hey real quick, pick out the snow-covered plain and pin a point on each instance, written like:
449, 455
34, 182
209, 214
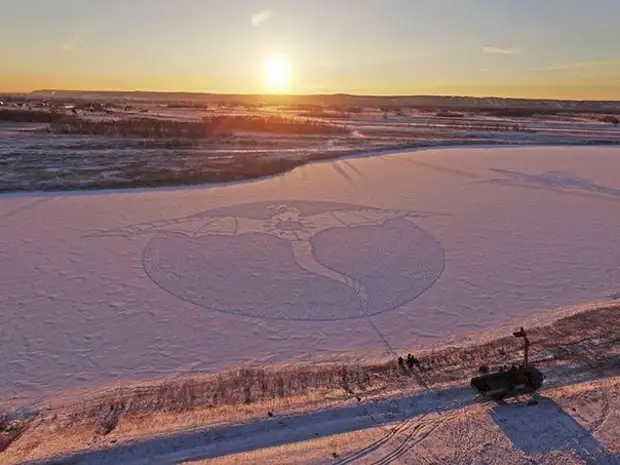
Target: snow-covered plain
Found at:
31, 159
343, 260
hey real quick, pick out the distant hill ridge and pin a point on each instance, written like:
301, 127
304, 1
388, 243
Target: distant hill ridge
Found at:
453, 102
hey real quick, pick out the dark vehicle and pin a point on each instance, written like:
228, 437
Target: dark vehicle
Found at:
516, 380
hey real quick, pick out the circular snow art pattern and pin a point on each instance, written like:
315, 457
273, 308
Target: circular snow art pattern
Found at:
297, 260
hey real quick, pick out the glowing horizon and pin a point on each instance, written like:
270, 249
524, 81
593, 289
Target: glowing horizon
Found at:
520, 49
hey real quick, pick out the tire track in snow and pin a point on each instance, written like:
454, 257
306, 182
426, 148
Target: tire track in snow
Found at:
410, 441
35, 203
413, 425
375, 445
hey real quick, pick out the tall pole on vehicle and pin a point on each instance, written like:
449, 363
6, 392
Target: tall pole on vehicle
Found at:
526, 346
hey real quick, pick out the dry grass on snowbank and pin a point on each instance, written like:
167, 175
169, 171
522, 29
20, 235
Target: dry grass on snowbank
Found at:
590, 339
239, 388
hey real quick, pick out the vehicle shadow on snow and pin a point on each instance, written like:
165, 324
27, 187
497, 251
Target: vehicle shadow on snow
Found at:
545, 428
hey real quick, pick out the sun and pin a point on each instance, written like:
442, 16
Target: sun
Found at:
277, 74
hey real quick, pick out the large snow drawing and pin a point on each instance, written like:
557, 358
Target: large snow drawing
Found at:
298, 260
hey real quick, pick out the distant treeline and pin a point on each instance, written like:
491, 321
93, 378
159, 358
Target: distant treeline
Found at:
208, 127
517, 112
62, 123
454, 102
31, 116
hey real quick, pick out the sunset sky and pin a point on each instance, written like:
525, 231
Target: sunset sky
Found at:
519, 48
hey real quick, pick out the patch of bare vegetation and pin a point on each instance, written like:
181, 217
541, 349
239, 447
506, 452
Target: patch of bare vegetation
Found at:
235, 388
171, 165
10, 430
591, 338
207, 128
611, 120
587, 341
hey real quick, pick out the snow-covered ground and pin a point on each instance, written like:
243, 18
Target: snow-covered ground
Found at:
350, 260
31, 159
576, 425
572, 426
427, 416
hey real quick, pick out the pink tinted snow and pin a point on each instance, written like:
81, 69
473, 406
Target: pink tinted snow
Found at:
519, 230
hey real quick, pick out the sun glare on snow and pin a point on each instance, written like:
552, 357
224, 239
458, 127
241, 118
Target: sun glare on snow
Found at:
277, 74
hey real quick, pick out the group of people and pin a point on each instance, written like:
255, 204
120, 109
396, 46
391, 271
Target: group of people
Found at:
411, 362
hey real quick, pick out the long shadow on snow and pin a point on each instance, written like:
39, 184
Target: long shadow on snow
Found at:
225, 440
546, 428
